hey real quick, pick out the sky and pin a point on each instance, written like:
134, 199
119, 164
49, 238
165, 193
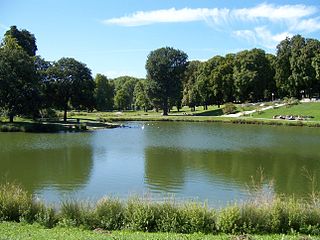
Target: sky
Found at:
114, 37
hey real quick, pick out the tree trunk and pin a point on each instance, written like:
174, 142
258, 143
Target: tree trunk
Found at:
11, 118
165, 108
65, 115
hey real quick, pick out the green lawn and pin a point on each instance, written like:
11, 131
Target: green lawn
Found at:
305, 109
20, 231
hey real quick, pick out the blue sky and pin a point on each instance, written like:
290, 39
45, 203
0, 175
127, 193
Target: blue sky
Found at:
114, 37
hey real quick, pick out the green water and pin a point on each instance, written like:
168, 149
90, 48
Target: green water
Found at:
207, 161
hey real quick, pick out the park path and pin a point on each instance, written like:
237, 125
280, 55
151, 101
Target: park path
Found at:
244, 113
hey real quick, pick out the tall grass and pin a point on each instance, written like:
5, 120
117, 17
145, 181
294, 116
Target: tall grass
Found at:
276, 215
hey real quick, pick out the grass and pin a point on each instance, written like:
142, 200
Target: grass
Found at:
21, 231
263, 216
96, 120
305, 109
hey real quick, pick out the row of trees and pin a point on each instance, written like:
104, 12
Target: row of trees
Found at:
29, 84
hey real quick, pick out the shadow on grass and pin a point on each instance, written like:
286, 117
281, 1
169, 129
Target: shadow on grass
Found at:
216, 112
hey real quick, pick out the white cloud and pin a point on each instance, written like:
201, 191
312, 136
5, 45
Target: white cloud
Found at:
215, 15
262, 36
308, 25
171, 15
248, 35
275, 13
257, 21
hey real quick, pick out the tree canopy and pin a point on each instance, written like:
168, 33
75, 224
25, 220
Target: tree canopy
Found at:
165, 69
18, 82
71, 85
23, 38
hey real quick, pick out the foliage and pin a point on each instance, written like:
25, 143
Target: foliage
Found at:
296, 67
24, 39
229, 108
191, 93
70, 84
18, 83
276, 215
165, 68
124, 92
110, 214
141, 100
104, 93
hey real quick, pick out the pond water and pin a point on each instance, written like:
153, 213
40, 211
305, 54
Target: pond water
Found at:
203, 161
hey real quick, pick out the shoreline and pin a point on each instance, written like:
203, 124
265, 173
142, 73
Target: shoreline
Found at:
231, 120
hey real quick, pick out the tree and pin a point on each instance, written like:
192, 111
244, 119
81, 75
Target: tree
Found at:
18, 81
121, 99
165, 68
252, 75
191, 95
141, 99
127, 84
283, 69
295, 73
104, 93
24, 39
71, 85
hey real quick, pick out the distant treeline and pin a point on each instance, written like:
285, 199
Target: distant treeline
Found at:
31, 86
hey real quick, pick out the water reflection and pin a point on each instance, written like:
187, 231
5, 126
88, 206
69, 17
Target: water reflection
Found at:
50, 160
168, 169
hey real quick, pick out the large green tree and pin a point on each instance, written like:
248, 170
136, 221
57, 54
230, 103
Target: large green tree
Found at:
141, 100
165, 69
191, 94
104, 93
295, 74
24, 39
71, 85
125, 97
18, 82
252, 75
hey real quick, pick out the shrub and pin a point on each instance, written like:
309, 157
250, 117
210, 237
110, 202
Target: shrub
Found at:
140, 215
229, 219
46, 216
169, 218
15, 203
110, 214
197, 218
74, 213
229, 108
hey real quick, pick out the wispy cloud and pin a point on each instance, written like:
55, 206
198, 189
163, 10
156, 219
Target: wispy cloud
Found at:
261, 18
262, 36
217, 15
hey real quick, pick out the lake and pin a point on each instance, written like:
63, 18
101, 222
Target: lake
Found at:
203, 161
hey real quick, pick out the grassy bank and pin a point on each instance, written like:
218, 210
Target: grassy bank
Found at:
269, 216
98, 120
14, 231
214, 114
304, 109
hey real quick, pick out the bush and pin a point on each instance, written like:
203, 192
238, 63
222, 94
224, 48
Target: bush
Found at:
229, 108
229, 219
140, 215
110, 214
169, 218
197, 218
46, 216
15, 203
74, 214
278, 215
